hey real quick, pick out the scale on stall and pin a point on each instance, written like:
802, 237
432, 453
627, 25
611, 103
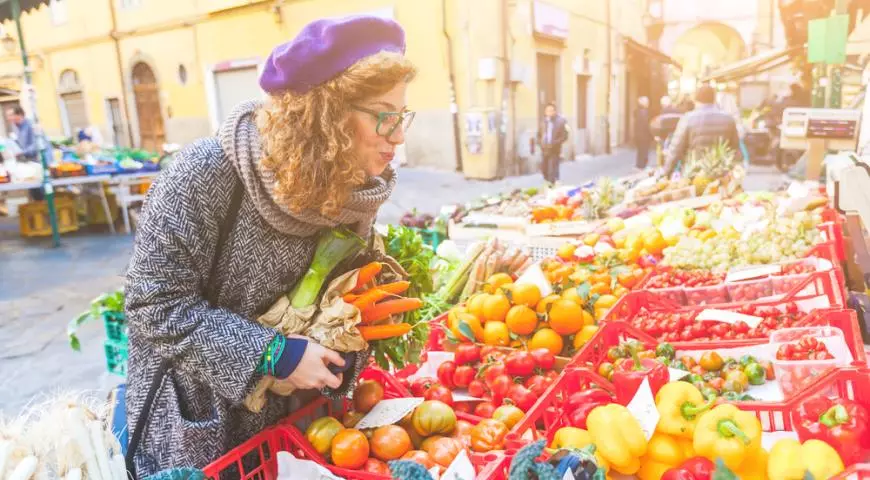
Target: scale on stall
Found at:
819, 130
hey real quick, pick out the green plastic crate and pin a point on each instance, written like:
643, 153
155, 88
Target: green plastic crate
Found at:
116, 357
431, 237
116, 326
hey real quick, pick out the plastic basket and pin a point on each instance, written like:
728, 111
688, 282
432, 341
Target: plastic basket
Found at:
116, 326
101, 169
795, 375
116, 357
256, 459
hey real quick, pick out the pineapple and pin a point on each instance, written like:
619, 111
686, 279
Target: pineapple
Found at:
713, 163
601, 199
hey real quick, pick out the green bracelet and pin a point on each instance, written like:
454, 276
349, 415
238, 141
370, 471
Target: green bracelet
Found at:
271, 355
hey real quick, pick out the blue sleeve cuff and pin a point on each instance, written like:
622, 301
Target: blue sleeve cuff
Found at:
290, 357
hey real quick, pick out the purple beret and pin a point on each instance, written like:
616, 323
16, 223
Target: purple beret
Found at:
325, 48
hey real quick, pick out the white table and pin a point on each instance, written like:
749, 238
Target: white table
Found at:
122, 183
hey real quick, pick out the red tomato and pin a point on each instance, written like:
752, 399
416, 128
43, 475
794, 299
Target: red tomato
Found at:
522, 397
477, 388
537, 384
552, 375
445, 374
464, 407
544, 359
376, 466
463, 376
492, 372
440, 393
466, 353
499, 388
420, 385
484, 409
520, 364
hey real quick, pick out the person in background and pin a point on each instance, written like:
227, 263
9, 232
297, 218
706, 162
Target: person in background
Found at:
701, 128
552, 133
25, 137
668, 107
642, 134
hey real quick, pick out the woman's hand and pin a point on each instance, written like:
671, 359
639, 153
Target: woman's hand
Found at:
312, 371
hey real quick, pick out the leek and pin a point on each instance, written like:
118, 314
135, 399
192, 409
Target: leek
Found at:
333, 247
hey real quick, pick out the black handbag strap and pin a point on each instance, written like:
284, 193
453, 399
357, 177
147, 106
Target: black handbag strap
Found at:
166, 364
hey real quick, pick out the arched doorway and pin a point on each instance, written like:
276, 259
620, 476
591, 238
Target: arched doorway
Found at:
74, 114
147, 94
708, 46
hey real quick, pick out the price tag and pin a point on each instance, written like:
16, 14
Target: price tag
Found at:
388, 412
460, 468
643, 408
675, 374
569, 475
727, 316
535, 276
756, 271
464, 397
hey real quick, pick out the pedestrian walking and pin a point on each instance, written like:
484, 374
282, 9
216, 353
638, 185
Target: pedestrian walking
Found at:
552, 133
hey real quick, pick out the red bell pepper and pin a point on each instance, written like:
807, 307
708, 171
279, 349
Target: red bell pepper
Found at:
628, 376
580, 404
842, 423
698, 468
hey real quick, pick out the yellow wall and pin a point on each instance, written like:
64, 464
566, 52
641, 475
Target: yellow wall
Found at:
168, 33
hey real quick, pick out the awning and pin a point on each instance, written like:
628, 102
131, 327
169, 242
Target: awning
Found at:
26, 6
754, 65
641, 49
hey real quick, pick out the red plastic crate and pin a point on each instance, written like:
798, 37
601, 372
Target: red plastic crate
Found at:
259, 454
613, 333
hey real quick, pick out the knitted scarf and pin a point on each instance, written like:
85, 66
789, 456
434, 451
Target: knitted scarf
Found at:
240, 141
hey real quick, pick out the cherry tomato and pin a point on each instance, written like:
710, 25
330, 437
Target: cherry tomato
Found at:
445, 374
463, 376
464, 407
477, 388
522, 397
467, 353
537, 384
544, 359
373, 465
420, 385
520, 364
484, 409
500, 387
440, 393
492, 372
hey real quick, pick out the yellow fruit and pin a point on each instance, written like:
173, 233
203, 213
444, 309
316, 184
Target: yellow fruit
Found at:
572, 295
584, 335
545, 303
525, 294
566, 251
653, 242
615, 224
547, 338
566, 317
475, 304
605, 301
600, 313
634, 243
521, 320
496, 333
591, 239
579, 276
495, 308
473, 322
497, 280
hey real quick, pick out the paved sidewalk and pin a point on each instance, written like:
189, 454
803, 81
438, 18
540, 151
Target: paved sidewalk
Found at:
42, 288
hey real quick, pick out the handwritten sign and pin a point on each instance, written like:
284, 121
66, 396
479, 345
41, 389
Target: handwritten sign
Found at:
388, 412
756, 271
643, 408
727, 316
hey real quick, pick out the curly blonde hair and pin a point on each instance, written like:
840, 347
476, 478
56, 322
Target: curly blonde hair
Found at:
308, 138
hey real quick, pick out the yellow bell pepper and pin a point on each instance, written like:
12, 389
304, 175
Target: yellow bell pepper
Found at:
755, 466
577, 438
618, 436
729, 433
791, 460
687, 446
663, 452
680, 405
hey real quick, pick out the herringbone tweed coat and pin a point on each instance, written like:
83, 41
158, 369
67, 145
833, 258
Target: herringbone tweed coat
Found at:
206, 325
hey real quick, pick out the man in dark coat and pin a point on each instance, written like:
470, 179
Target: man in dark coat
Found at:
552, 133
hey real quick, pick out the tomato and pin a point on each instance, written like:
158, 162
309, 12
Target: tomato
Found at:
488, 435
420, 385
499, 387
522, 397
444, 450
477, 388
464, 407
484, 409
544, 359
552, 375
711, 361
508, 414
433, 417
390, 442
466, 353
492, 372
350, 419
420, 457
373, 465
350, 449
520, 364
429, 441
440, 393
463, 376
321, 432
366, 395
537, 384
445, 374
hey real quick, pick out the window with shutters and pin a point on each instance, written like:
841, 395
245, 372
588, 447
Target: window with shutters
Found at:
72, 103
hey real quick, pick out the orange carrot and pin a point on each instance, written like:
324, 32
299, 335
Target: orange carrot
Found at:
384, 310
396, 288
367, 273
370, 297
381, 332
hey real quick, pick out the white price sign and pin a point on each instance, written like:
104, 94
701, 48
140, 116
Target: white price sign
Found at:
727, 316
643, 408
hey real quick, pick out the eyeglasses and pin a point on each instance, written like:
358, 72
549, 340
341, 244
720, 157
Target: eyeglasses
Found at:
388, 122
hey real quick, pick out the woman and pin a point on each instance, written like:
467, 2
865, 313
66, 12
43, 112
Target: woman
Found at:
232, 225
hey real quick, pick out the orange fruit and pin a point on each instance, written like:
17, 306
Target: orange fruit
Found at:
496, 333
545, 303
600, 313
601, 288
547, 338
566, 251
591, 239
475, 304
605, 301
473, 322
600, 278
525, 294
619, 291
521, 320
497, 280
566, 317
584, 335
580, 276
560, 274
653, 242
573, 295
495, 308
